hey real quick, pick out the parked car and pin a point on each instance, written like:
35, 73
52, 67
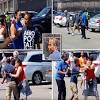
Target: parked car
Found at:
94, 23
42, 21
60, 19
35, 68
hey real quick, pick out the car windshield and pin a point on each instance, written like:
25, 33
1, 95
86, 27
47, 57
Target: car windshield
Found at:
43, 13
62, 14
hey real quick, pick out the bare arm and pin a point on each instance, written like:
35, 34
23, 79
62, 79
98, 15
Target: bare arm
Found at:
17, 73
4, 77
9, 39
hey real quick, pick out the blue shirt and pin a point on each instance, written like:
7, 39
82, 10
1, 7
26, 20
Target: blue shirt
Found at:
74, 74
55, 56
84, 20
9, 69
18, 42
62, 66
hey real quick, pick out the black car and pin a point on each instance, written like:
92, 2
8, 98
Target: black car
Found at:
42, 21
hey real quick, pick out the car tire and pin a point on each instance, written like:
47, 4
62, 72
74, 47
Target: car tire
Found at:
37, 78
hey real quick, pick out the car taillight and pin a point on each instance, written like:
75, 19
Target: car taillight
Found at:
60, 18
98, 21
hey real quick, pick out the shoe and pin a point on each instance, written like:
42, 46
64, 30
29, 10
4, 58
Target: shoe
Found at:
69, 33
72, 34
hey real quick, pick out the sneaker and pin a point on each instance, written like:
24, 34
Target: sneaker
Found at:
72, 34
69, 33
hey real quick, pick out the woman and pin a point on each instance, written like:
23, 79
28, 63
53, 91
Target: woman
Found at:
90, 81
20, 75
2, 30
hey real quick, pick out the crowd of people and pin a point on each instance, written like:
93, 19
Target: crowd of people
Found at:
83, 66
14, 77
79, 22
18, 33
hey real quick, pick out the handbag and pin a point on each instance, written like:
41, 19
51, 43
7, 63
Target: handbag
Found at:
25, 88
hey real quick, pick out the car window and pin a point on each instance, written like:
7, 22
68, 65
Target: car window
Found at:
43, 13
36, 58
96, 16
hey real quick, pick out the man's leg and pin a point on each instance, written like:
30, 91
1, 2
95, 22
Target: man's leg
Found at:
59, 84
84, 35
64, 90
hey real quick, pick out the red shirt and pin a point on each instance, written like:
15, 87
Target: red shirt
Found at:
22, 75
90, 74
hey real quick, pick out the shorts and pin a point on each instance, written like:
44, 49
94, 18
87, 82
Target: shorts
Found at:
90, 90
74, 89
11, 86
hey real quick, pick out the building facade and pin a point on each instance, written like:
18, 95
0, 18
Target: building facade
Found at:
12, 5
73, 5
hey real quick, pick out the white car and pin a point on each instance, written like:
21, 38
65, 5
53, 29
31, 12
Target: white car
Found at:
94, 23
60, 19
35, 68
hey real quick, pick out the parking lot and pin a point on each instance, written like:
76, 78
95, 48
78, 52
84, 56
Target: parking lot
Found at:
39, 92
71, 42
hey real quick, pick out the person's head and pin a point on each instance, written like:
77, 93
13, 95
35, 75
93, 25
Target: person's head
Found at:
89, 61
15, 54
82, 54
65, 56
53, 44
12, 61
18, 15
8, 60
27, 19
76, 61
18, 63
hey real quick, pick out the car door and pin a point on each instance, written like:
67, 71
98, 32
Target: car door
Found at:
34, 64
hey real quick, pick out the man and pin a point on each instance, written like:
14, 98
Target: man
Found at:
17, 42
60, 74
10, 81
53, 44
84, 25
77, 23
74, 80
8, 19
31, 37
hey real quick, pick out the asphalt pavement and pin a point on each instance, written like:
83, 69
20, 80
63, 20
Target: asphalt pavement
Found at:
68, 92
75, 41
39, 92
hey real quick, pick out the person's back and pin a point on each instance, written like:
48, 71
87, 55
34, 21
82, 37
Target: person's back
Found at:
84, 20
9, 69
74, 74
71, 20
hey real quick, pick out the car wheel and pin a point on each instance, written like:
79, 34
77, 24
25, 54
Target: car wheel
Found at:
37, 78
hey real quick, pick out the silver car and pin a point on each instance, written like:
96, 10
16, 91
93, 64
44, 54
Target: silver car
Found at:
94, 23
35, 68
